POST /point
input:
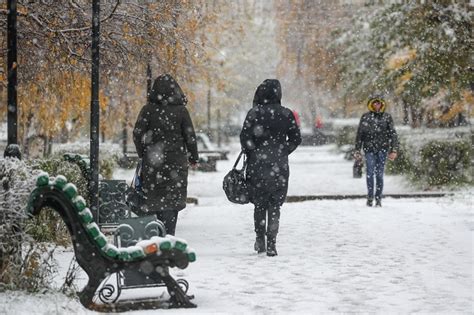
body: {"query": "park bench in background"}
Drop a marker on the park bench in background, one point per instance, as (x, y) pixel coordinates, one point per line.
(207, 160)
(99, 258)
(209, 154)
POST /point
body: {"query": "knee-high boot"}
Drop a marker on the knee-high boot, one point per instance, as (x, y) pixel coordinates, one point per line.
(260, 223)
(271, 245)
(272, 230)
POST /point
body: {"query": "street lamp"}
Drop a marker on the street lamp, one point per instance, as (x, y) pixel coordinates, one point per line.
(12, 149)
(95, 114)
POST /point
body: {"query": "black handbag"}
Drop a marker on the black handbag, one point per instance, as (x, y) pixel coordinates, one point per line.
(235, 184)
(357, 168)
(134, 195)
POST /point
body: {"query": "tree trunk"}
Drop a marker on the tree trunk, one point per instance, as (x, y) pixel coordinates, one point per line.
(46, 146)
(125, 124)
(416, 116)
(27, 125)
(406, 116)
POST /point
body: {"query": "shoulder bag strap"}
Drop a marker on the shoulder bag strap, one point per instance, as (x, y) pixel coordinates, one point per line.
(138, 170)
(238, 159)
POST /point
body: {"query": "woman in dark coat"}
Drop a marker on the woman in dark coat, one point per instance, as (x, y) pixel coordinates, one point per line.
(376, 135)
(269, 135)
(165, 140)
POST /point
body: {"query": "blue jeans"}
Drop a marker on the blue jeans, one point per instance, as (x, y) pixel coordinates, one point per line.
(375, 163)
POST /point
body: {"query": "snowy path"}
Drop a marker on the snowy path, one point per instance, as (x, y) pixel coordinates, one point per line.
(411, 255)
(313, 171)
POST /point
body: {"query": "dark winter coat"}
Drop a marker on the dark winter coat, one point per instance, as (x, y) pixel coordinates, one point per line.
(376, 130)
(164, 137)
(268, 136)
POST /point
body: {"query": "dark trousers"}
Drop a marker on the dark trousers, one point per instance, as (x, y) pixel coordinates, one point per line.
(169, 219)
(266, 214)
(375, 164)
(263, 225)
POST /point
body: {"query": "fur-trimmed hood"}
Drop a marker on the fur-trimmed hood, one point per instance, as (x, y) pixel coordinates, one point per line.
(372, 99)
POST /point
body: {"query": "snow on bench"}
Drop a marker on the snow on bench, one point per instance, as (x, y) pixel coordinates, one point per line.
(99, 258)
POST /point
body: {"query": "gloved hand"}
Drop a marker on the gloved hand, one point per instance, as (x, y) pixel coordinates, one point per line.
(357, 155)
(392, 156)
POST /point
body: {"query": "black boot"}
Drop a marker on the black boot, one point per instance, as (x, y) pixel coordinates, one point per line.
(260, 244)
(369, 202)
(259, 217)
(272, 230)
(378, 202)
(271, 246)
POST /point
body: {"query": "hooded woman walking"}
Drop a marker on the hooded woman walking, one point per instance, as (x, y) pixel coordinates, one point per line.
(270, 133)
(376, 135)
(165, 141)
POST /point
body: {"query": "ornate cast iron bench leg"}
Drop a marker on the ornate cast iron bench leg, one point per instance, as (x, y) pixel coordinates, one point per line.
(178, 296)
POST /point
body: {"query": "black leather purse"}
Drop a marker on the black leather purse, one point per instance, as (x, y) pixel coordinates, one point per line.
(235, 184)
(134, 195)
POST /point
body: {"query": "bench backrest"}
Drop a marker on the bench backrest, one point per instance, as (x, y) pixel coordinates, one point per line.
(90, 244)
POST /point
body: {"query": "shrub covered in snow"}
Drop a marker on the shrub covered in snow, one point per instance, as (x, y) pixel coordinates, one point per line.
(49, 226)
(109, 155)
(436, 163)
(346, 135)
(58, 166)
(24, 263)
(403, 164)
(446, 162)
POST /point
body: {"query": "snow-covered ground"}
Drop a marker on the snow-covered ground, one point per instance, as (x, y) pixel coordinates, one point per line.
(410, 256)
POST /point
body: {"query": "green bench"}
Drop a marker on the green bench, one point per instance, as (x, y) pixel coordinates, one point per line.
(112, 204)
(99, 258)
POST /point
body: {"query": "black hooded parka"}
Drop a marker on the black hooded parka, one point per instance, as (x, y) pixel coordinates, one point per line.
(376, 131)
(164, 137)
(268, 136)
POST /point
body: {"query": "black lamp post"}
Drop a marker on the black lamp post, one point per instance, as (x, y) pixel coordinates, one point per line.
(148, 81)
(209, 132)
(94, 123)
(12, 108)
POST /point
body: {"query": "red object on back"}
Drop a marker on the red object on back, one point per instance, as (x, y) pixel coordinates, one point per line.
(297, 118)
(319, 122)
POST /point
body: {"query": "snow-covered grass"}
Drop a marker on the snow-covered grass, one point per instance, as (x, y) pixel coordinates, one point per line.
(410, 256)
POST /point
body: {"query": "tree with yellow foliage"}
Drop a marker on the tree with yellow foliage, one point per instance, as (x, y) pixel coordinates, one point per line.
(54, 59)
(308, 58)
(417, 51)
